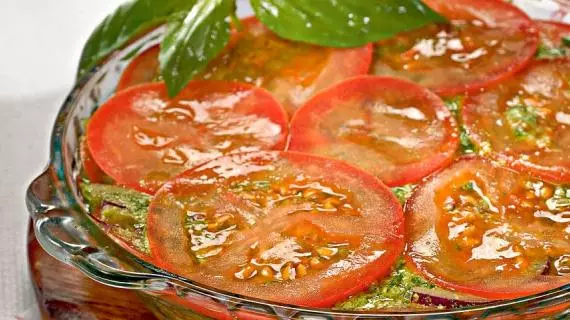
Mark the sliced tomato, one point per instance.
(88, 165)
(144, 68)
(291, 71)
(281, 226)
(142, 138)
(392, 128)
(484, 42)
(489, 231)
(554, 39)
(525, 121)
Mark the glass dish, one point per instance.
(67, 232)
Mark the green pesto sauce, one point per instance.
(129, 220)
(548, 51)
(249, 186)
(123, 209)
(523, 120)
(466, 145)
(394, 292)
(403, 193)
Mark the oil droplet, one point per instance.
(149, 139)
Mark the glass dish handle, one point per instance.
(63, 233)
(70, 236)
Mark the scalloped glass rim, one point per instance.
(149, 278)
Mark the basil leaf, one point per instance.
(192, 41)
(128, 21)
(342, 23)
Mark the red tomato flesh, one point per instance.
(392, 128)
(281, 226)
(525, 121)
(89, 166)
(485, 42)
(291, 71)
(489, 231)
(144, 68)
(142, 138)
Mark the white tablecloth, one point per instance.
(40, 42)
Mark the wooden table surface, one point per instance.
(65, 294)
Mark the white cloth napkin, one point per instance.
(40, 44)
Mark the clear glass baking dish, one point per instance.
(67, 232)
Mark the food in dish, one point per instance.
(141, 138)
(291, 71)
(400, 133)
(484, 42)
(469, 120)
(285, 227)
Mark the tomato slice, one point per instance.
(525, 121)
(485, 42)
(489, 231)
(142, 138)
(144, 68)
(90, 168)
(391, 128)
(554, 39)
(281, 226)
(291, 71)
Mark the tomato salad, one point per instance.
(269, 174)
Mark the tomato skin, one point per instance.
(424, 248)
(499, 12)
(163, 235)
(144, 68)
(90, 167)
(115, 148)
(556, 171)
(307, 134)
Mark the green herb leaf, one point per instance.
(192, 41)
(121, 26)
(343, 23)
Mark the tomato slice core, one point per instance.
(142, 138)
(291, 71)
(392, 128)
(489, 231)
(525, 121)
(485, 42)
(286, 227)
